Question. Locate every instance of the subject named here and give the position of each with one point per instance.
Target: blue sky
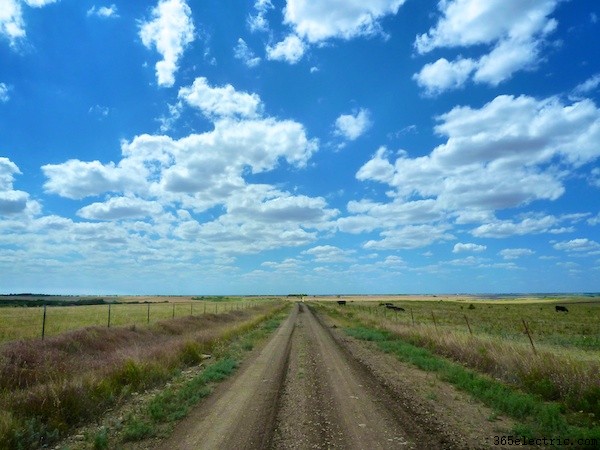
(263, 147)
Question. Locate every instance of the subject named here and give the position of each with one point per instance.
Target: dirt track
(310, 388)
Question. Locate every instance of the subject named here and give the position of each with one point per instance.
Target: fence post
(204, 308)
(44, 324)
(108, 324)
(434, 322)
(216, 308)
(529, 336)
(468, 326)
(148, 312)
(191, 308)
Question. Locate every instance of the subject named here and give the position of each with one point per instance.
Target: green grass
(538, 417)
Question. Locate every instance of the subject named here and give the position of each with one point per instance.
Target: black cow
(341, 302)
(395, 308)
(561, 308)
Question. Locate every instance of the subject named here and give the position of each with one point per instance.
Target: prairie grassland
(563, 367)
(47, 387)
(24, 323)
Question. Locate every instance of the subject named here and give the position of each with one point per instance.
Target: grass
(493, 365)
(26, 322)
(49, 387)
(541, 418)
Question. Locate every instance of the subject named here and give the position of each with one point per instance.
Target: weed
(101, 439)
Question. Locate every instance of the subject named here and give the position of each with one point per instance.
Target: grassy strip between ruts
(156, 416)
(537, 418)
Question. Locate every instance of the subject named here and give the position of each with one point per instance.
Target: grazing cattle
(341, 302)
(561, 308)
(395, 308)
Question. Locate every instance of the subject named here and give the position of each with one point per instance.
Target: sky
(292, 146)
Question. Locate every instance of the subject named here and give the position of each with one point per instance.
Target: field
(26, 322)
(450, 372)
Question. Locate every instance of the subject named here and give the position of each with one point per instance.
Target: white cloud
(580, 245)
(344, 19)
(4, 93)
(243, 53)
(159, 174)
(291, 49)
(329, 254)
(12, 25)
(39, 3)
(589, 85)
(13, 201)
(170, 31)
(352, 126)
(104, 11)
(78, 179)
(118, 208)
(410, 237)
(473, 173)
(220, 101)
(507, 228)
(515, 253)
(469, 247)
(442, 75)
(472, 22)
(259, 21)
(515, 30)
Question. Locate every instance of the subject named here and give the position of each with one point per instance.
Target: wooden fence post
(468, 326)
(173, 310)
(529, 336)
(204, 308)
(434, 322)
(148, 312)
(44, 324)
(108, 324)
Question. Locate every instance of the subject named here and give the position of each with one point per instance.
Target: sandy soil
(312, 387)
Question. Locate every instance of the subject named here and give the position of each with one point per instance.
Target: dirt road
(306, 389)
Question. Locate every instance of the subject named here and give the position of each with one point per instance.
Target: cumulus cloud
(170, 31)
(202, 171)
(410, 237)
(13, 201)
(515, 253)
(442, 75)
(580, 245)
(469, 247)
(352, 126)
(118, 208)
(79, 179)
(329, 254)
(243, 53)
(291, 49)
(222, 101)
(326, 19)
(12, 25)
(508, 153)
(104, 12)
(513, 31)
